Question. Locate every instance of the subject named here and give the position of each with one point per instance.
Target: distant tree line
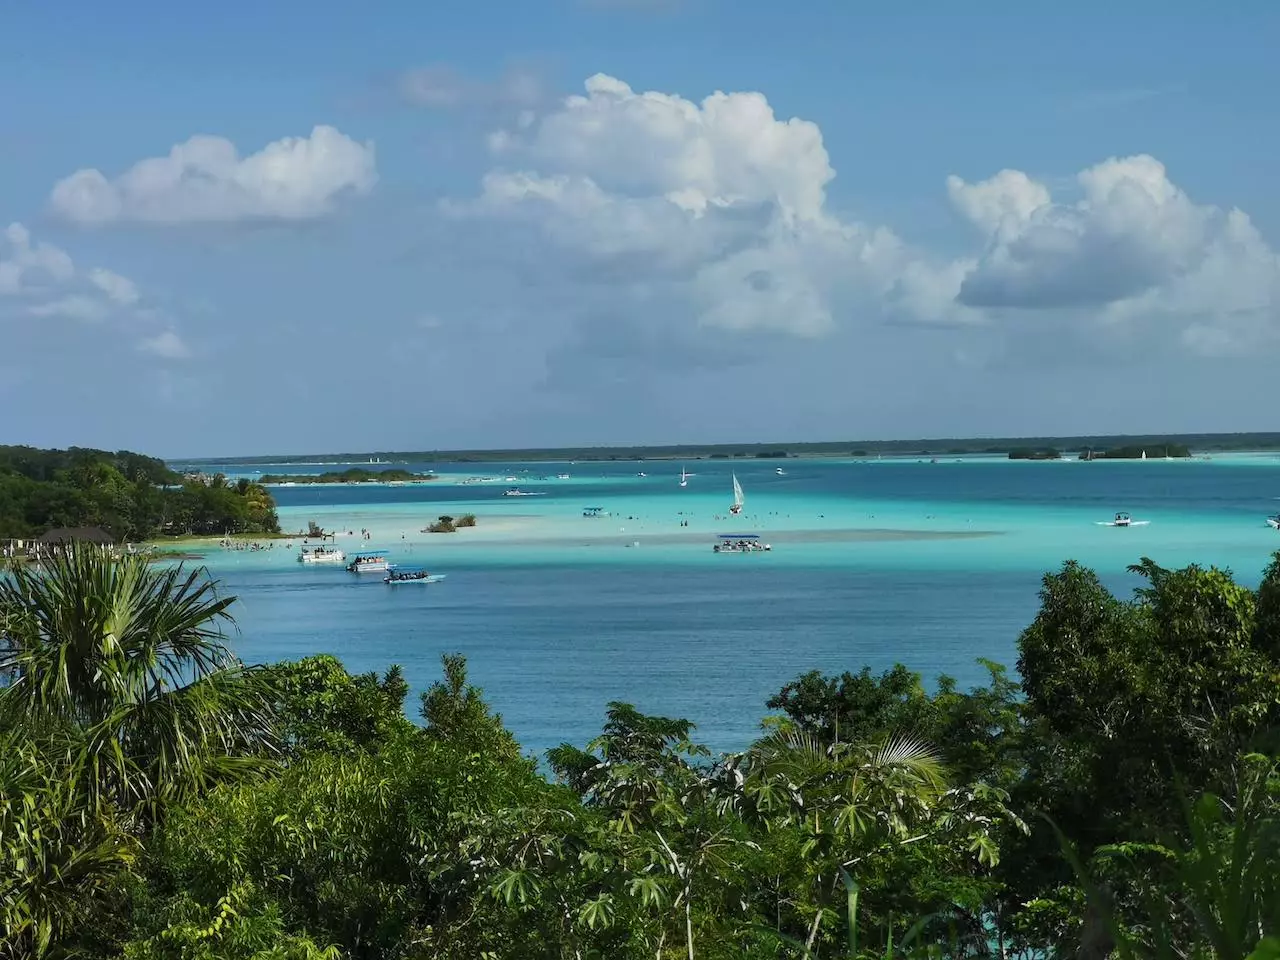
(1137, 451)
(129, 495)
(352, 475)
(1205, 442)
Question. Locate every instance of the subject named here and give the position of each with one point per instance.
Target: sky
(239, 229)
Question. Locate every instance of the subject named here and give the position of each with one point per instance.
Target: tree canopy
(130, 496)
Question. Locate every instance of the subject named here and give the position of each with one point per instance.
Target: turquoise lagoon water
(933, 564)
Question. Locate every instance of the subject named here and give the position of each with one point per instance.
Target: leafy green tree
(456, 713)
(319, 706)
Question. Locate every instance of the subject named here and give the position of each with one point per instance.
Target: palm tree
(124, 666)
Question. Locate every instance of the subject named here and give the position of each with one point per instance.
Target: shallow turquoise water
(636, 607)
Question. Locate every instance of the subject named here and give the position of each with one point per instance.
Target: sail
(738, 498)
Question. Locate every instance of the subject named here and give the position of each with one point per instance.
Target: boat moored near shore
(320, 554)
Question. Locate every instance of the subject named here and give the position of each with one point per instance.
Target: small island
(353, 475)
(448, 524)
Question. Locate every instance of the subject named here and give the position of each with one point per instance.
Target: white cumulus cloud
(206, 180)
(1131, 230)
(718, 210)
(1132, 247)
(720, 200)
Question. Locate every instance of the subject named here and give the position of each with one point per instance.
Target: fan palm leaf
(130, 661)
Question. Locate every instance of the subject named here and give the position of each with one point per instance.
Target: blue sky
(538, 224)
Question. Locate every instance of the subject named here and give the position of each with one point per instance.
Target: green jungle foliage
(160, 800)
(130, 496)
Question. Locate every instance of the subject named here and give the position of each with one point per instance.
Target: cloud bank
(718, 209)
(206, 180)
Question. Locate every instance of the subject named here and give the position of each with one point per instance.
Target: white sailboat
(738, 498)
(684, 477)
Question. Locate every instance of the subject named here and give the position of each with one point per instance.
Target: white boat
(641, 474)
(780, 472)
(740, 543)
(1144, 454)
(398, 575)
(321, 554)
(684, 477)
(1274, 522)
(562, 476)
(371, 561)
(517, 492)
(1123, 520)
(738, 498)
(594, 512)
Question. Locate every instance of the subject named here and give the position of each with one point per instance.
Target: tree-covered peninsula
(129, 496)
(159, 799)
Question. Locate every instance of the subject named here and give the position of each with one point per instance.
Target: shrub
(466, 520)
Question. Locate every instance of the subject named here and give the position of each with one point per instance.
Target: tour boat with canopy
(399, 574)
(370, 561)
(320, 554)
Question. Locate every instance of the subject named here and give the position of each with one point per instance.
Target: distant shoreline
(1198, 443)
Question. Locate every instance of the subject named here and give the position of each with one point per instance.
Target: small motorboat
(1123, 520)
(517, 492)
(1274, 522)
(780, 472)
(399, 574)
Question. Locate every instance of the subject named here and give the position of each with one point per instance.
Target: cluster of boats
(740, 543)
(367, 561)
